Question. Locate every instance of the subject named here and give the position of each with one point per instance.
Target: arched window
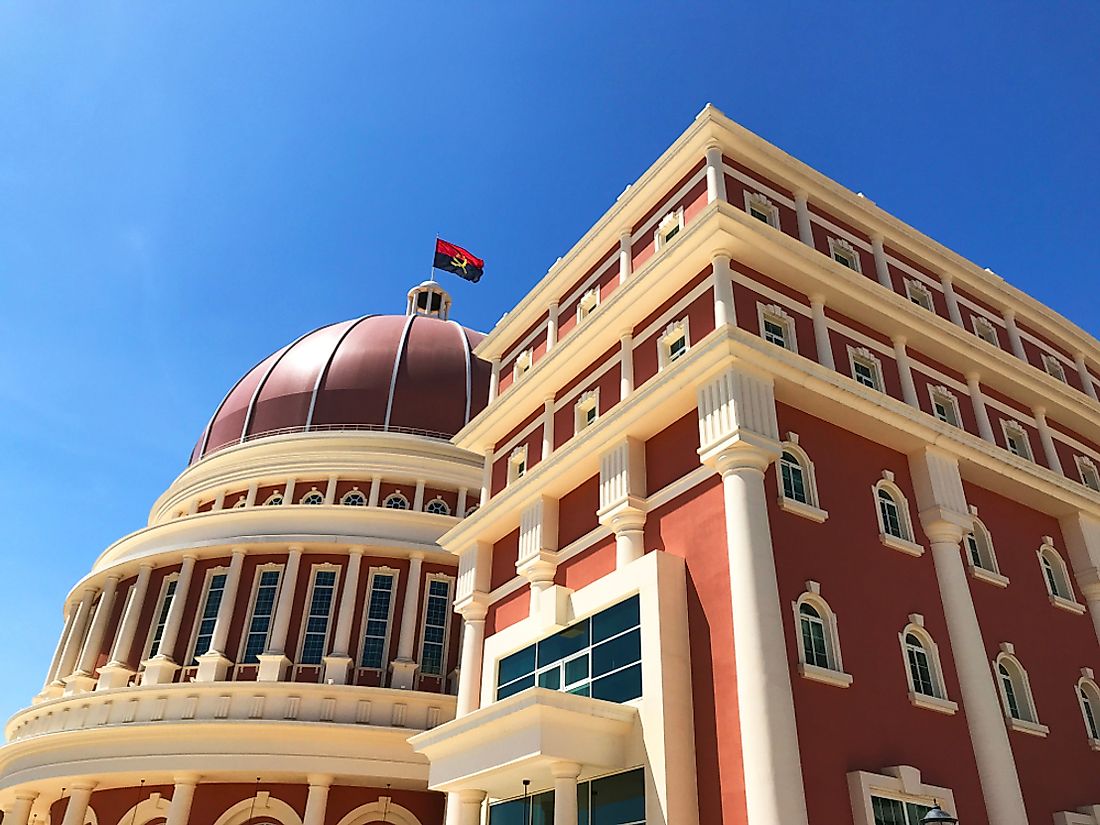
(818, 644)
(1055, 574)
(797, 483)
(471, 510)
(438, 507)
(890, 514)
(241, 502)
(922, 668)
(354, 498)
(1088, 695)
(396, 501)
(980, 555)
(892, 509)
(274, 500)
(314, 496)
(1019, 704)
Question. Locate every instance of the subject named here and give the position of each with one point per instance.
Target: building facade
(761, 507)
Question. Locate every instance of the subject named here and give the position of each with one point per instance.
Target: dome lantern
(430, 299)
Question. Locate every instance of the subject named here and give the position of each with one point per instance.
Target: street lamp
(938, 816)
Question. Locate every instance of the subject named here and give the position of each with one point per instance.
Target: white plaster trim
(843, 247)
(917, 292)
(589, 400)
(980, 324)
(807, 511)
(919, 700)
(988, 576)
(946, 398)
(761, 203)
(777, 315)
(589, 302)
(1067, 604)
(673, 223)
(759, 185)
(1087, 468)
(824, 675)
(894, 543)
(260, 805)
(867, 357)
(1033, 728)
(1012, 429)
(939, 701)
(1025, 699)
(1053, 367)
(672, 333)
(373, 812)
(901, 782)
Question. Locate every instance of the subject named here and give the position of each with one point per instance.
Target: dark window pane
(518, 664)
(619, 799)
(619, 687)
(618, 652)
(516, 687)
(563, 643)
(576, 670)
(551, 679)
(615, 619)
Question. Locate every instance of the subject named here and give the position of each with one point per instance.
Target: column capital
(1009, 314)
(356, 550)
(320, 780)
(973, 375)
(186, 778)
(899, 340)
(1039, 411)
(295, 548)
(801, 194)
(470, 795)
(625, 234)
(565, 770)
(817, 300)
(473, 608)
(721, 254)
(877, 238)
(743, 455)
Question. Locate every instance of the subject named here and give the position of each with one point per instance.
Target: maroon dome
(386, 372)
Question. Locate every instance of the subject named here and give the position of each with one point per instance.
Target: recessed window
(797, 483)
(619, 797)
(894, 523)
(1055, 573)
(322, 592)
(844, 254)
(918, 293)
(396, 501)
(587, 410)
(673, 343)
(264, 591)
(866, 368)
(1016, 440)
(985, 330)
(274, 500)
(588, 303)
(922, 668)
(241, 502)
(980, 555)
(818, 644)
(517, 463)
(1015, 687)
(894, 796)
(1054, 367)
(437, 612)
(437, 506)
(777, 326)
(523, 364)
(354, 498)
(167, 594)
(314, 496)
(1088, 695)
(671, 226)
(944, 405)
(376, 630)
(208, 615)
(759, 207)
(890, 514)
(1088, 472)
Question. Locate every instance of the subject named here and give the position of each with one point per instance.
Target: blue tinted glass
(622, 616)
(550, 679)
(619, 687)
(518, 664)
(583, 817)
(576, 670)
(562, 644)
(618, 799)
(537, 809)
(515, 687)
(619, 652)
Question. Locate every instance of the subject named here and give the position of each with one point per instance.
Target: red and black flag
(451, 258)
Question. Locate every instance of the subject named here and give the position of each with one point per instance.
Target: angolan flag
(451, 258)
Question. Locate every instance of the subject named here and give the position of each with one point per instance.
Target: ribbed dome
(396, 373)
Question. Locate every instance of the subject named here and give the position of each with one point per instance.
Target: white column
(494, 380)
(317, 800)
(1084, 374)
(183, 793)
(716, 176)
(90, 652)
(338, 662)
(565, 792)
(174, 619)
(1047, 440)
(725, 310)
(76, 635)
(330, 490)
(1082, 536)
(273, 661)
(117, 671)
(214, 663)
(1014, 335)
(404, 667)
(977, 399)
(418, 496)
(547, 428)
(552, 326)
(952, 299)
(625, 255)
(288, 491)
(626, 365)
(487, 476)
(802, 209)
(20, 811)
(66, 631)
(882, 268)
(622, 498)
(375, 491)
(469, 806)
(905, 372)
(473, 650)
(821, 332)
(77, 806)
(460, 508)
(250, 496)
(219, 501)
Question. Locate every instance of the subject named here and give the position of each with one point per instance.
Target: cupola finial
(429, 298)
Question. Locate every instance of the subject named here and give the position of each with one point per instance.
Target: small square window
(670, 226)
(918, 293)
(673, 343)
(759, 207)
(1016, 440)
(587, 410)
(588, 302)
(866, 368)
(944, 405)
(517, 463)
(523, 364)
(1090, 476)
(777, 327)
(1054, 368)
(844, 254)
(985, 330)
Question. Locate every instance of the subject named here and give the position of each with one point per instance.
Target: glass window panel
(618, 799)
(619, 652)
(562, 644)
(576, 670)
(888, 811)
(550, 679)
(504, 691)
(518, 664)
(622, 616)
(619, 687)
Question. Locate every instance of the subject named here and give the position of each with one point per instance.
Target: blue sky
(185, 187)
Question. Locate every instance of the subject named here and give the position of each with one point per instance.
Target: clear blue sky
(184, 187)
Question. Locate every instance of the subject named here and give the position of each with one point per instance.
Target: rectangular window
(1054, 368)
(1016, 441)
(315, 635)
(166, 598)
(760, 214)
(263, 609)
(1089, 475)
(775, 332)
(985, 330)
(918, 293)
(866, 372)
(618, 799)
(889, 811)
(204, 635)
(437, 611)
(676, 347)
(944, 407)
(379, 615)
(600, 657)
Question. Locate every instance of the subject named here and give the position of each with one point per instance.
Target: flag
(451, 258)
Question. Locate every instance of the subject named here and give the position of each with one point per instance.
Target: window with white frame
(945, 406)
(1088, 697)
(1087, 470)
(1016, 695)
(1016, 440)
(437, 614)
(777, 326)
(673, 343)
(844, 254)
(264, 591)
(240, 502)
(894, 796)
(523, 364)
(817, 638)
(438, 507)
(1054, 367)
(894, 523)
(517, 463)
(314, 496)
(322, 594)
(274, 500)
(797, 481)
(919, 294)
(979, 548)
(985, 330)
(1056, 575)
(376, 631)
(670, 226)
(164, 605)
(588, 303)
(208, 614)
(396, 501)
(923, 671)
(866, 367)
(587, 410)
(354, 498)
(759, 207)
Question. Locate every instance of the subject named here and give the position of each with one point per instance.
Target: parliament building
(760, 508)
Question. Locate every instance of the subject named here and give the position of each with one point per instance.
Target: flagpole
(431, 277)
